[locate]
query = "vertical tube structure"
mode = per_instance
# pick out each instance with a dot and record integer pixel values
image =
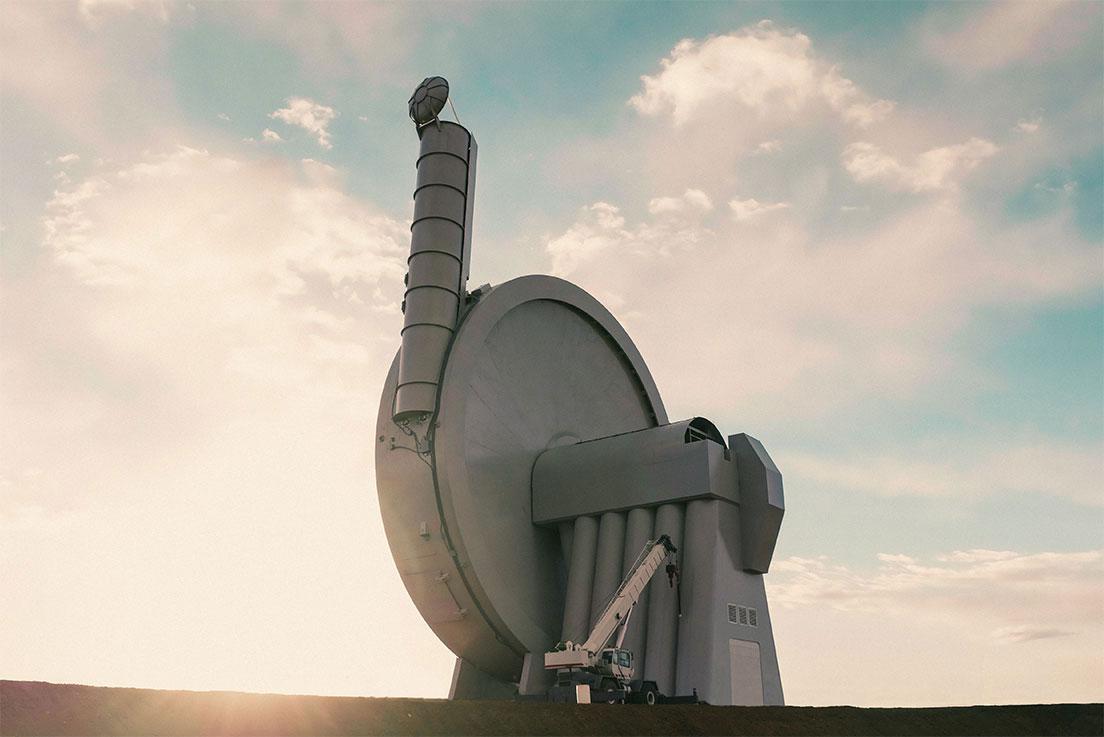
(567, 536)
(638, 530)
(695, 667)
(580, 577)
(663, 609)
(607, 564)
(437, 270)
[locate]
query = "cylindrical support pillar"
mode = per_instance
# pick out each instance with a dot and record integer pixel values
(580, 577)
(607, 567)
(698, 562)
(440, 238)
(567, 535)
(638, 530)
(662, 637)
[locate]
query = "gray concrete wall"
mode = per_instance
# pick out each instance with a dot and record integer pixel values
(711, 581)
(662, 636)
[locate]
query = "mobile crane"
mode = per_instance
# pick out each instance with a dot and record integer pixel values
(608, 671)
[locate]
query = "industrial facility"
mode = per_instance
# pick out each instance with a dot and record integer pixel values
(557, 531)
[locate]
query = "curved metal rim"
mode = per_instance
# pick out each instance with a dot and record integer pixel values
(448, 435)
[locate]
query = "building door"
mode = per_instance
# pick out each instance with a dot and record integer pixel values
(747, 673)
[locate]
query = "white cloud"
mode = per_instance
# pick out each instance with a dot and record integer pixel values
(267, 136)
(1066, 470)
(237, 230)
(1008, 589)
(768, 147)
(1016, 627)
(373, 40)
(89, 85)
(933, 170)
(310, 116)
(806, 312)
(96, 11)
(223, 117)
(66, 159)
(1019, 31)
(1027, 634)
(1029, 126)
(769, 70)
(600, 226)
(600, 232)
(976, 555)
(691, 199)
(1000, 629)
(190, 379)
(750, 209)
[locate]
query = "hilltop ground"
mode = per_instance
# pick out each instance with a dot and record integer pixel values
(34, 708)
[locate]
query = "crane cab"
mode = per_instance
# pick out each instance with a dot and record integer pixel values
(615, 662)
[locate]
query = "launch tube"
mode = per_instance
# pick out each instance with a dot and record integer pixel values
(437, 270)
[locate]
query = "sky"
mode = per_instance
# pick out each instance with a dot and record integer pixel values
(869, 235)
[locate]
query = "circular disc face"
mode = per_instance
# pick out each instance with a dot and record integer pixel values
(537, 363)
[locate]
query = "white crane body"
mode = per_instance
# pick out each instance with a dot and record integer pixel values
(593, 656)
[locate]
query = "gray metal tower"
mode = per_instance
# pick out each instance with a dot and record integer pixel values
(523, 457)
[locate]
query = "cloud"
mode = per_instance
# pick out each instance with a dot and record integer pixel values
(992, 627)
(806, 310)
(761, 68)
(691, 199)
(599, 227)
(95, 12)
(310, 116)
(768, 147)
(1027, 634)
(191, 372)
(933, 170)
(1037, 465)
(88, 84)
(752, 208)
(1031, 596)
(1004, 34)
(267, 136)
(1029, 126)
(976, 555)
(260, 250)
(601, 232)
(186, 288)
(372, 41)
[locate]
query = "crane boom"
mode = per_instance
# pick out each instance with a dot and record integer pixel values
(628, 593)
(617, 611)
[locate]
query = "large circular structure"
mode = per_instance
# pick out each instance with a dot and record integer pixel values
(526, 472)
(535, 363)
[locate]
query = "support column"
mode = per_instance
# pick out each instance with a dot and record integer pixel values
(695, 662)
(580, 578)
(567, 536)
(662, 637)
(607, 567)
(638, 531)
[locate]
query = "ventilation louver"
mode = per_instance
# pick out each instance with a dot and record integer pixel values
(744, 615)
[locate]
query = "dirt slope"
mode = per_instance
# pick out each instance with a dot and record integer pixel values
(33, 708)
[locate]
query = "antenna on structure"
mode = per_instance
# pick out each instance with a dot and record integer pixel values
(428, 101)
